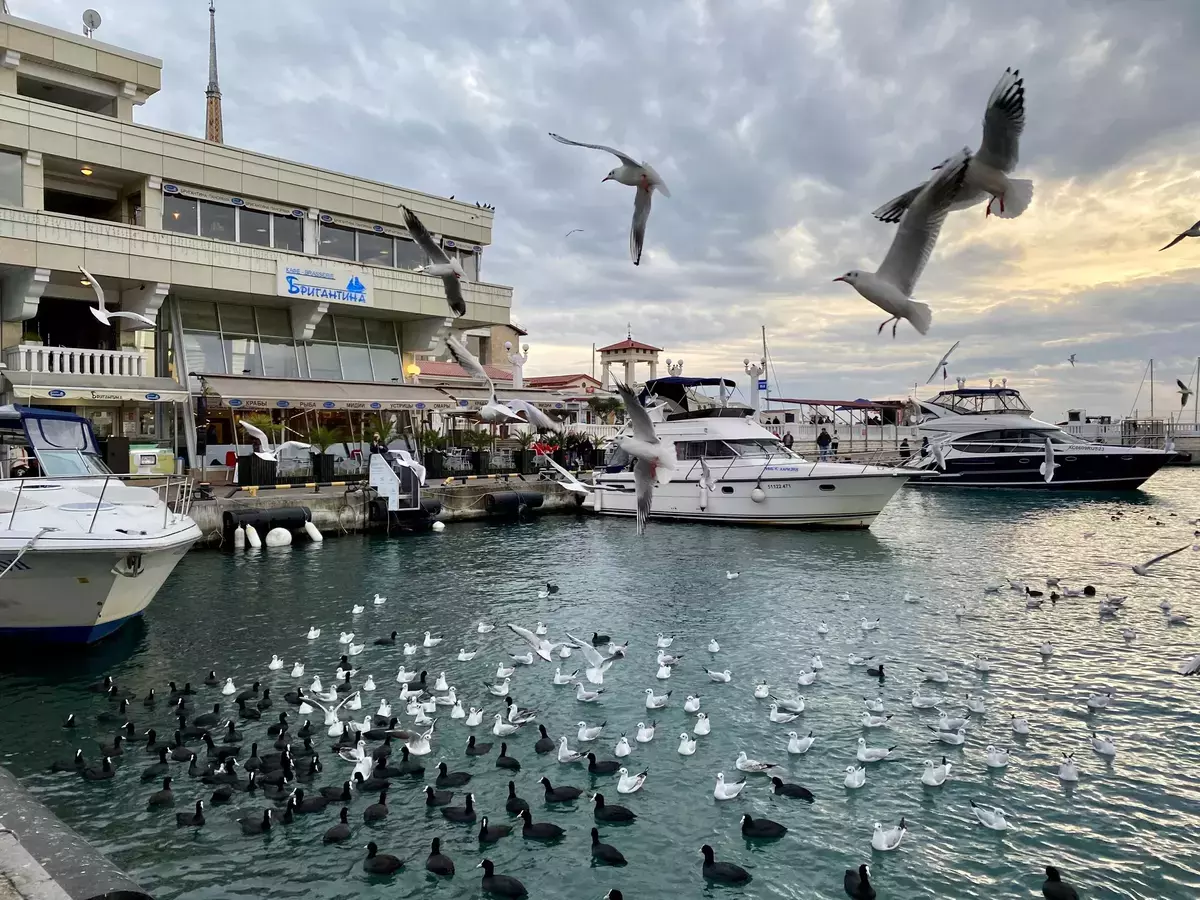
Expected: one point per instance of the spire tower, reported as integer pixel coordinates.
(213, 130)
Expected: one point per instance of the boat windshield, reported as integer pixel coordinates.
(61, 463)
(739, 449)
(982, 403)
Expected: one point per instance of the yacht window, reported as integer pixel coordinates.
(61, 463)
(726, 489)
(756, 448)
(59, 434)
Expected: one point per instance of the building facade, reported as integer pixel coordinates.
(272, 285)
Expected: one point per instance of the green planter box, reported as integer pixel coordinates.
(252, 470)
(322, 465)
(482, 460)
(435, 465)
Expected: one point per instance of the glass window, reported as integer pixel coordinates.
(179, 214)
(409, 255)
(237, 319)
(12, 180)
(336, 241)
(470, 264)
(349, 330)
(289, 233)
(323, 362)
(279, 359)
(243, 356)
(217, 220)
(375, 249)
(386, 363)
(254, 227)
(356, 363)
(205, 353)
(198, 315)
(274, 321)
(324, 329)
(380, 333)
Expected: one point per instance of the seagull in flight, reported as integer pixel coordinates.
(1071, 360)
(1184, 392)
(891, 287)
(1194, 231)
(493, 412)
(576, 486)
(440, 265)
(105, 316)
(536, 417)
(945, 361)
(1003, 122)
(654, 460)
(1142, 568)
(572, 231)
(634, 174)
(265, 443)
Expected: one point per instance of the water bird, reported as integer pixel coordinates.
(440, 265)
(981, 663)
(886, 839)
(1099, 700)
(193, 819)
(656, 701)
(785, 789)
(388, 641)
(611, 812)
(466, 656)
(1194, 231)
(605, 854)
(524, 659)
(489, 834)
(629, 784)
(645, 733)
(781, 718)
(514, 804)
(502, 728)
(822, 628)
(872, 754)
(565, 754)
(297, 670)
(500, 885)
(762, 828)
(866, 625)
(503, 671)
(989, 818)
(498, 690)
(876, 671)
(870, 721)
(997, 757)
(663, 673)
(815, 663)
(165, 797)
(590, 732)
(345, 637)
(874, 706)
(1019, 725)
(484, 628)
(727, 790)
(252, 825)
(545, 743)
(437, 862)
(1103, 746)
(1190, 666)
(583, 695)
(1143, 568)
(654, 460)
(858, 884)
(687, 745)
(229, 687)
(1054, 888)
(921, 701)
(504, 761)
(713, 646)
(856, 776)
(691, 704)
(430, 640)
(357, 608)
(378, 863)
(622, 749)
(703, 725)
(539, 831)
(1067, 769)
(663, 642)
(746, 764)
(762, 690)
(726, 873)
(464, 814)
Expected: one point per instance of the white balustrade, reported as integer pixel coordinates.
(35, 358)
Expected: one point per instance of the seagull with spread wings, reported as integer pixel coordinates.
(1184, 392)
(493, 412)
(264, 443)
(1194, 231)
(1003, 122)
(536, 417)
(636, 175)
(892, 286)
(654, 460)
(574, 485)
(1143, 568)
(105, 316)
(942, 364)
(440, 265)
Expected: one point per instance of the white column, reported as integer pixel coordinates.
(604, 373)
(630, 366)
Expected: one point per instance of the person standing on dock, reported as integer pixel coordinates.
(788, 440)
(823, 442)
(377, 445)
(905, 450)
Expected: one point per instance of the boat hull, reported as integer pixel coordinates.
(82, 596)
(818, 502)
(1109, 471)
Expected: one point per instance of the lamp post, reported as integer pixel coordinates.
(754, 370)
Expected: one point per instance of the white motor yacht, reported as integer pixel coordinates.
(988, 438)
(82, 551)
(753, 478)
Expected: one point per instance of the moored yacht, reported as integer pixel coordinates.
(988, 438)
(82, 551)
(752, 478)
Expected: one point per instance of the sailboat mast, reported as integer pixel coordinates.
(1195, 408)
(1151, 388)
(767, 404)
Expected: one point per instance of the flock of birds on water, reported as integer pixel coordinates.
(273, 782)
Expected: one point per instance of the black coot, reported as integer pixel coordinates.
(562, 794)
(724, 872)
(489, 834)
(762, 828)
(192, 819)
(611, 813)
(438, 863)
(500, 885)
(539, 831)
(341, 831)
(858, 884)
(378, 863)
(606, 854)
(784, 789)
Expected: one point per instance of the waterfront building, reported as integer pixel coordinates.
(272, 285)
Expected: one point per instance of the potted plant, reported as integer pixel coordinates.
(322, 438)
(524, 457)
(31, 337)
(480, 444)
(433, 454)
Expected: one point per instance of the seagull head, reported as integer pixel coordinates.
(850, 277)
(611, 176)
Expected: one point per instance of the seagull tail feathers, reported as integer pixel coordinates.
(921, 316)
(1016, 199)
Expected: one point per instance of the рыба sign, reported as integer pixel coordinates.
(323, 281)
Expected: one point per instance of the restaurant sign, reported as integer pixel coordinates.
(311, 279)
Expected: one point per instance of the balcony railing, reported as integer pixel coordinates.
(75, 361)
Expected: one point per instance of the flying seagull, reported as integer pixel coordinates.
(573, 484)
(654, 460)
(1194, 231)
(891, 287)
(1071, 360)
(572, 231)
(440, 265)
(1184, 392)
(536, 417)
(945, 360)
(1141, 568)
(105, 316)
(1003, 122)
(493, 412)
(265, 444)
(634, 174)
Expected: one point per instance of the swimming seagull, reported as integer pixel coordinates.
(1003, 122)
(942, 364)
(997, 757)
(935, 775)
(636, 175)
(1103, 746)
(645, 733)
(856, 776)
(746, 764)
(727, 790)
(658, 701)
(1142, 568)
(105, 316)
(441, 265)
(798, 746)
(687, 745)
(1194, 231)
(891, 287)
(565, 754)
(989, 818)
(885, 839)
(720, 677)
(872, 754)
(1068, 770)
(1190, 666)
(1019, 725)
(493, 412)
(654, 460)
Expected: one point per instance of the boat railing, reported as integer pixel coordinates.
(175, 492)
(865, 460)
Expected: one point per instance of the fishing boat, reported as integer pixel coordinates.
(732, 470)
(82, 550)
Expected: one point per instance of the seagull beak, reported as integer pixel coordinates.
(606, 178)
(841, 278)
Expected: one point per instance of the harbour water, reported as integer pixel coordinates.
(1126, 830)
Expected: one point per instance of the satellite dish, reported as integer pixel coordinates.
(91, 21)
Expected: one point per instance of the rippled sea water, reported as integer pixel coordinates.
(1127, 829)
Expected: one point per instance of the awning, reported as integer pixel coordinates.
(466, 397)
(299, 394)
(28, 386)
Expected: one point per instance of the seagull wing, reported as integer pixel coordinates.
(641, 215)
(623, 157)
(1178, 238)
(706, 479)
(423, 238)
(465, 358)
(639, 419)
(918, 231)
(256, 433)
(532, 640)
(571, 479)
(536, 417)
(99, 291)
(1185, 390)
(643, 480)
(135, 317)
(590, 653)
(893, 211)
(1163, 556)
(454, 295)
(299, 445)
(1003, 122)
(944, 360)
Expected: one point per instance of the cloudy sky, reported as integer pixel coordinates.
(778, 127)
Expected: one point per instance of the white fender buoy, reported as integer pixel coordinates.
(439, 526)
(703, 498)
(252, 537)
(278, 537)
(239, 538)
(313, 532)
(758, 495)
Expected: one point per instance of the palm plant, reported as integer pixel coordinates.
(322, 437)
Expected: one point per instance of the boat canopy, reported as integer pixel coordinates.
(62, 442)
(982, 401)
(676, 388)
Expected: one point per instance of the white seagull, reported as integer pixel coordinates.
(1103, 746)
(997, 757)
(105, 316)
(645, 733)
(781, 718)
(746, 764)
(656, 701)
(1143, 568)
(590, 732)
(935, 775)
(636, 175)
(440, 265)
(566, 754)
(727, 790)
(891, 287)
(1068, 770)
(654, 459)
(885, 839)
(989, 818)
(703, 725)
(1003, 122)
(720, 677)
(541, 647)
(630, 784)
(687, 745)
(798, 746)
(856, 776)
(872, 754)
(942, 364)
(264, 443)
(1048, 465)
(493, 412)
